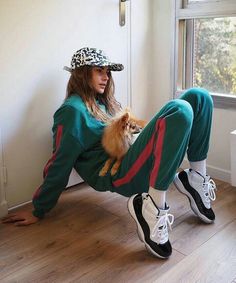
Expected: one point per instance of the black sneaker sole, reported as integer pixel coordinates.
(180, 187)
(140, 230)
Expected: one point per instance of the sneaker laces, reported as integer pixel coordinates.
(209, 188)
(160, 230)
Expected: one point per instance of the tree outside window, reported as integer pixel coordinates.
(214, 60)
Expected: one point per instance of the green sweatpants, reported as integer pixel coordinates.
(182, 125)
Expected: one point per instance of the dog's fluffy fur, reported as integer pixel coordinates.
(117, 138)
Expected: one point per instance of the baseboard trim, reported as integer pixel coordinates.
(20, 205)
(214, 172)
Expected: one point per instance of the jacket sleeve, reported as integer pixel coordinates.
(67, 149)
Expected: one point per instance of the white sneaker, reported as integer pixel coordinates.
(152, 224)
(200, 191)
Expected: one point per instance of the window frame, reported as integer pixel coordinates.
(183, 58)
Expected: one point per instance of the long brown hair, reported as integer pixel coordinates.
(79, 84)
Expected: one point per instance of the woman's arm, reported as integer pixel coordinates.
(56, 172)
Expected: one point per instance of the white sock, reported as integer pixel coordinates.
(159, 197)
(199, 166)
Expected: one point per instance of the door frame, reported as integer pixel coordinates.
(129, 70)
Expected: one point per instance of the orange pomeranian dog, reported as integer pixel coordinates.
(117, 138)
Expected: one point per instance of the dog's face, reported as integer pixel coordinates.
(129, 125)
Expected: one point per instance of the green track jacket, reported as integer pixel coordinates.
(76, 143)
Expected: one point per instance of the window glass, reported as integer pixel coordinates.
(214, 54)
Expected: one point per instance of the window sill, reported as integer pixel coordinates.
(224, 101)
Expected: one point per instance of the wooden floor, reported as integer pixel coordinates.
(90, 237)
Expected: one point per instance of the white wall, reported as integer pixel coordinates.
(37, 39)
(32, 87)
(224, 121)
(219, 159)
(141, 57)
(163, 23)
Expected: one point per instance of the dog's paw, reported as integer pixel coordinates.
(102, 173)
(113, 171)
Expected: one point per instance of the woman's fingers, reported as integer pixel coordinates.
(12, 218)
(22, 223)
(21, 218)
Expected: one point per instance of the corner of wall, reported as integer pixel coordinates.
(3, 202)
(3, 209)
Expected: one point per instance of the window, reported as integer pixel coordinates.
(206, 48)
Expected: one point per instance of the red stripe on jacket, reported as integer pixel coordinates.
(52, 159)
(144, 155)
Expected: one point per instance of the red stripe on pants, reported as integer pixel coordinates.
(145, 154)
(158, 152)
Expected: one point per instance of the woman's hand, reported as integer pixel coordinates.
(20, 218)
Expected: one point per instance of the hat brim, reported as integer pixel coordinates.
(111, 66)
(115, 67)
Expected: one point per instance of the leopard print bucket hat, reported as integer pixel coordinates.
(92, 57)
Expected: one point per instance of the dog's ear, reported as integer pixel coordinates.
(125, 117)
(127, 109)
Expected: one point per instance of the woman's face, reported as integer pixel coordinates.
(99, 79)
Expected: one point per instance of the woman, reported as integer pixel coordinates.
(149, 166)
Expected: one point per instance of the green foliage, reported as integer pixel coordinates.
(215, 54)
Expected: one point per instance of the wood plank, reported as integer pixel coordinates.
(214, 261)
(93, 259)
(136, 265)
(177, 202)
(90, 237)
(81, 257)
(192, 230)
(49, 236)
